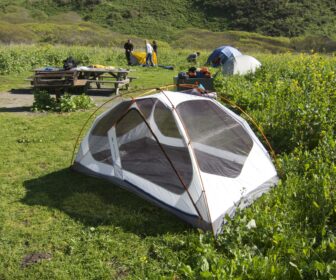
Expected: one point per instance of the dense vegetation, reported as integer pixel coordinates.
(90, 229)
(197, 24)
(275, 17)
(285, 18)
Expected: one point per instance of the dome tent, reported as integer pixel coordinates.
(220, 55)
(240, 65)
(188, 154)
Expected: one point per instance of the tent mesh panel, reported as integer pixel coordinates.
(146, 106)
(220, 143)
(98, 142)
(142, 155)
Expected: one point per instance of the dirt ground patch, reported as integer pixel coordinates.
(21, 101)
(10, 102)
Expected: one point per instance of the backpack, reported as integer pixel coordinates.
(69, 63)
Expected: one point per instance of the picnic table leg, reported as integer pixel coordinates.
(97, 78)
(58, 93)
(86, 88)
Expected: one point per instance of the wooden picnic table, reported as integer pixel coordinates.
(58, 80)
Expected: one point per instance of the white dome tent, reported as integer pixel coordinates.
(188, 154)
(240, 65)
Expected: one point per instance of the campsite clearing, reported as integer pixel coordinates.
(93, 229)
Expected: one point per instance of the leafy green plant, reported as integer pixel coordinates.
(67, 103)
(43, 101)
(70, 103)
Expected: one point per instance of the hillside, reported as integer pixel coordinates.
(274, 17)
(159, 18)
(198, 24)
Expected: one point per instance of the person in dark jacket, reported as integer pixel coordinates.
(128, 50)
(155, 47)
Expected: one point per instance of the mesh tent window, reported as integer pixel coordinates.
(142, 155)
(220, 143)
(98, 142)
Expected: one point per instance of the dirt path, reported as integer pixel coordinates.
(12, 102)
(20, 101)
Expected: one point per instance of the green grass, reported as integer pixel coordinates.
(95, 230)
(85, 223)
(193, 38)
(14, 81)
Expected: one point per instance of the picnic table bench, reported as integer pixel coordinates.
(59, 80)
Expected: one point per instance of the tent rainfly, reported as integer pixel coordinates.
(139, 58)
(240, 65)
(188, 154)
(220, 55)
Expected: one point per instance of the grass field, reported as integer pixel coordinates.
(86, 228)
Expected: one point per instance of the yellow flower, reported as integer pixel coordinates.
(143, 259)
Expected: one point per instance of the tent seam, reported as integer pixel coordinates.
(196, 161)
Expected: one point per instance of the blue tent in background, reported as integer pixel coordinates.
(220, 55)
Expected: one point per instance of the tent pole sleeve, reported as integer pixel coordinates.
(197, 165)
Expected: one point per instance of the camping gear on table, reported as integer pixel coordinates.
(139, 58)
(220, 55)
(194, 72)
(241, 65)
(100, 66)
(206, 82)
(69, 63)
(187, 154)
(50, 68)
(194, 76)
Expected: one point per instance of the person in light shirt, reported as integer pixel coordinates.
(149, 54)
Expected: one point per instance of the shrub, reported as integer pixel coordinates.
(67, 103)
(70, 103)
(43, 101)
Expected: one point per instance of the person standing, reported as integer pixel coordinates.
(155, 47)
(128, 50)
(149, 54)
